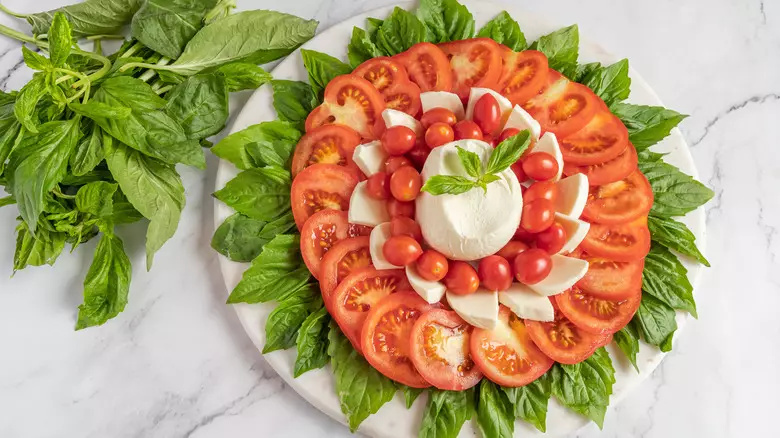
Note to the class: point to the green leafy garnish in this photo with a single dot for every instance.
(281, 328)
(446, 20)
(610, 83)
(655, 319)
(410, 394)
(647, 125)
(446, 412)
(586, 386)
(665, 278)
(495, 415)
(627, 339)
(293, 101)
(504, 30)
(107, 284)
(312, 342)
(676, 194)
(530, 401)
(562, 49)
(400, 31)
(675, 236)
(322, 68)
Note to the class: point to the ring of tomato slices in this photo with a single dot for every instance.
(603, 139)
(427, 66)
(328, 144)
(608, 279)
(563, 341)
(390, 78)
(345, 257)
(321, 187)
(404, 97)
(321, 232)
(619, 202)
(623, 243)
(608, 171)
(349, 100)
(475, 62)
(563, 107)
(523, 76)
(596, 315)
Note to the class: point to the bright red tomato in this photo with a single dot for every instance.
(561, 340)
(619, 202)
(623, 243)
(602, 139)
(382, 72)
(487, 114)
(427, 66)
(517, 168)
(552, 239)
(378, 186)
(438, 115)
(398, 140)
(564, 107)
(608, 279)
(394, 163)
(402, 250)
(351, 101)
(495, 273)
(439, 134)
(540, 166)
(432, 265)
(532, 266)
(404, 226)
(523, 76)
(538, 215)
(467, 129)
(461, 278)
(344, 257)
(404, 97)
(419, 154)
(506, 133)
(475, 62)
(541, 190)
(320, 187)
(512, 249)
(595, 315)
(400, 208)
(321, 232)
(609, 171)
(329, 144)
(405, 183)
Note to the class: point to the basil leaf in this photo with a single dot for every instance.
(628, 341)
(123, 211)
(107, 284)
(504, 30)
(8, 200)
(322, 68)
(39, 250)
(585, 387)
(676, 194)
(95, 109)
(508, 152)
(530, 401)
(27, 100)
(241, 148)
(243, 76)
(293, 101)
(656, 320)
(584, 70)
(675, 236)
(200, 105)
(166, 26)
(648, 156)
(410, 394)
(241, 238)
(400, 31)
(91, 17)
(446, 20)
(361, 389)
(666, 345)
(665, 278)
(470, 162)
(96, 198)
(312, 343)
(60, 40)
(447, 185)
(446, 412)
(494, 412)
(88, 153)
(9, 128)
(35, 60)
(281, 328)
(258, 193)
(610, 83)
(562, 49)
(361, 48)
(647, 125)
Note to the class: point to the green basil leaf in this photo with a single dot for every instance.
(361, 389)
(647, 125)
(400, 31)
(585, 387)
(470, 162)
(584, 70)
(410, 394)
(10, 137)
(322, 68)
(675, 236)
(508, 152)
(446, 412)
(200, 105)
(88, 153)
(504, 30)
(562, 49)
(94, 109)
(35, 60)
(107, 284)
(243, 76)
(60, 38)
(648, 156)
(530, 401)
(665, 278)
(447, 185)
(258, 193)
(312, 343)
(656, 320)
(96, 198)
(8, 200)
(166, 26)
(293, 101)
(41, 249)
(628, 341)
(91, 17)
(446, 20)
(494, 412)
(361, 48)
(27, 101)
(610, 83)
(666, 345)
(241, 238)
(241, 148)
(676, 194)
(281, 328)
(123, 211)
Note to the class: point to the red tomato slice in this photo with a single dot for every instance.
(506, 354)
(440, 351)
(345, 257)
(427, 66)
(561, 340)
(321, 187)
(351, 101)
(608, 279)
(387, 333)
(523, 76)
(564, 107)
(382, 72)
(404, 97)
(595, 315)
(619, 202)
(475, 62)
(608, 171)
(321, 232)
(623, 243)
(358, 293)
(328, 144)
(601, 140)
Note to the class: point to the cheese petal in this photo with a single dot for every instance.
(548, 143)
(572, 195)
(376, 243)
(430, 291)
(399, 118)
(520, 119)
(365, 210)
(576, 230)
(503, 103)
(565, 272)
(479, 309)
(443, 99)
(370, 157)
(526, 303)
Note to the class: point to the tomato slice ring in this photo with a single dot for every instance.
(506, 354)
(386, 337)
(328, 144)
(595, 315)
(382, 72)
(608, 279)
(321, 187)
(561, 340)
(404, 96)
(523, 76)
(623, 243)
(619, 202)
(358, 293)
(438, 337)
(608, 171)
(352, 101)
(603, 139)
(427, 66)
(321, 232)
(475, 62)
(345, 257)
(564, 107)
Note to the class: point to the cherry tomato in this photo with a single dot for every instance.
(538, 215)
(495, 273)
(438, 134)
(398, 140)
(506, 133)
(419, 154)
(489, 139)
(466, 129)
(523, 235)
(540, 166)
(552, 239)
(404, 226)
(532, 266)
(394, 163)
(461, 278)
(401, 250)
(487, 114)
(517, 168)
(432, 265)
(378, 185)
(512, 249)
(405, 183)
(400, 208)
(541, 190)
(438, 115)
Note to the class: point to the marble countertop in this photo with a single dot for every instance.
(177, 363)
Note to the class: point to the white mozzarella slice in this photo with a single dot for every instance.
(479, 309)
(399, 118)
(370, 157)
(430, 291)
(526, 303)
(365, 210)
(443, 99)
(503, 103)
(548, 143)
(572, 195)
(520, 119)
(376, 242)
(565, 272)
(576, 230)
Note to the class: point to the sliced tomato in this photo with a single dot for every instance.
(387, 336)
(619, 202)
(321, 232)
(382, 72)
(321, 187)
(475, 62)
(358, 293)
(608, 279)
(603, 139)
(404, 97)
(564, 107)
(563, 341)
(342, 259)
(328, 144)
(623, 243)
(440, 351)
(427, 66)
(351, 101)
(608, 171)
(506, 354)
(596, 315)
(523, 76)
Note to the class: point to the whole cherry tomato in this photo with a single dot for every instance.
(552, 239)
(378, 185)
(512, 249)
(541, 190)
(461, 278)
(405, 183)
(401, 250)
(438, 115)
(467, 129)
(438, 134)
(495, 273)
(419, 154)
(532, 266)
(538, 215)
(394, 163)
(517, 168)
(487, 114)
(508, 132)
(400, 208)
(405, 226)
(540, 166)
(432, 265)
(398, 140)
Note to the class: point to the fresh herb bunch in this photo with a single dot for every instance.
(92, 141)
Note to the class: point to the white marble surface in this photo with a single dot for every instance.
(178, 364)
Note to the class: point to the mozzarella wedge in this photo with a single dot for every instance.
(548, 143)
(576, 230)
(479, 309)
(376, 241)
(430, 291)
(503, 103)
(443, 99)
(526, 303)
(399, 118)
(370, 157)
(365, 210)
(520, 119)
(566, 271)
(572, 195)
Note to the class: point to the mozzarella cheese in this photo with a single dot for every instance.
(471, 225)
(520, 119)
(565, 272)
(370, 157)
(443, 99)
(503, 103)
(399, 118)
(526, 303)
(430, 291)
(365, 210)
(576, 230)
(548, 143)
(376, 242)
(572, 195)
(479, 309)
